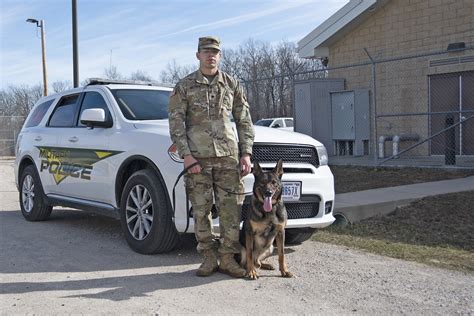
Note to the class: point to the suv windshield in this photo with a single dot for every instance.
(137, 104)
(264, 122)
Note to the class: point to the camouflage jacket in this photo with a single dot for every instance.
(200, 117)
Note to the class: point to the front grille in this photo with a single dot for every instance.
(287, 152)
(295, 210)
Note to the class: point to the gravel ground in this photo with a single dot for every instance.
(80, 263)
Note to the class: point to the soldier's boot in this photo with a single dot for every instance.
(209, 265)
(229, 266)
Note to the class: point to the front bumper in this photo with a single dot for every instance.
(309, 211)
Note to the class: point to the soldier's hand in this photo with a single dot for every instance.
(245, 165)
(188, 161)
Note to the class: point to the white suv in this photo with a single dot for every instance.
(106, 147)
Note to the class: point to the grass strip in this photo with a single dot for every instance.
(437, 231)
(447, 258)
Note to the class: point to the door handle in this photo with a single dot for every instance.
(38, 138)
(73, 139)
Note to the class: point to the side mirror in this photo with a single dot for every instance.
(276, 125)
(95, 117)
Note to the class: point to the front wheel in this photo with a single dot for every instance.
(295, 236)
(32, 202)
(145, 214)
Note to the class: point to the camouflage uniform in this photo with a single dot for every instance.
(200, 125)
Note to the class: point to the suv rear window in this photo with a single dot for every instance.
(38, 114)
(63, 115)
(138, 104)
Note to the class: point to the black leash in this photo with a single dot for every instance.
(232, 192)
(183, 173)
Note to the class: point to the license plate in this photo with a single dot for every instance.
(291, 191)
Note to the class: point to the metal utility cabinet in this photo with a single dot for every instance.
(350, 122)
(312, 109)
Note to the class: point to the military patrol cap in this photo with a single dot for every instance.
(209, 42)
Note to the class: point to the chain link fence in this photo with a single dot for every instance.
(424, 107)
(414, 110)
(10, 127)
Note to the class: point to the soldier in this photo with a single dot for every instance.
(200, 111)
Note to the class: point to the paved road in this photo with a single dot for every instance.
(80, 263)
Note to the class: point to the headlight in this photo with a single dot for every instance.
(323, 155)
(173, 153)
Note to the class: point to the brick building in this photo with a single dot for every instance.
(418, 57)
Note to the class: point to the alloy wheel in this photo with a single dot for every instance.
(139, 212)
(28, 193)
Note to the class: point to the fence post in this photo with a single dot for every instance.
(450, 142)
(14, 141)
(374, 98)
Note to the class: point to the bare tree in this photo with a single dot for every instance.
(267, 74)
(61, 85)
(231, 63)
(18, 100)
(111, 72)
(174, 72)
(140, 75)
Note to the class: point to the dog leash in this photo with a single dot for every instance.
(187, 212)
(184, 172)
(176, 183)
(232, 192)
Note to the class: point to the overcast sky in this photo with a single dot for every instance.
(141, 34)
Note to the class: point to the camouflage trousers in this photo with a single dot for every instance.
(202, 192)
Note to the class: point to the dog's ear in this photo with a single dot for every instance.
(257, 171)
(278, 170)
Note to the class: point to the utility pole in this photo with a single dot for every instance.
(40, 24)
(74, 45)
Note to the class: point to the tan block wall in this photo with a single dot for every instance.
(402, 28)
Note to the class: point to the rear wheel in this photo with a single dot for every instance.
(32, 202)
(295, 236)
(145, 214)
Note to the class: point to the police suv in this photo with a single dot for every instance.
(106, 148)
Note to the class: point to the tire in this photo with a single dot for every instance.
(295, 236)
(148, 225)
(32, 199)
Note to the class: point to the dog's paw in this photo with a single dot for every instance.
(267, 266)
(286, 274)
(252, 274)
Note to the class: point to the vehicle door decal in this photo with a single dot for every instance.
(64, 162)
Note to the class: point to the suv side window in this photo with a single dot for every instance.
(289, 123)
(93, 100)
(38, 113)
(278, 123)
(63, 115)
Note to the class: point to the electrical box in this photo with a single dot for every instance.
(312, 108)
(350, 122)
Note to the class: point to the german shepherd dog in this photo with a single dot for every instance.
(265, 223)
